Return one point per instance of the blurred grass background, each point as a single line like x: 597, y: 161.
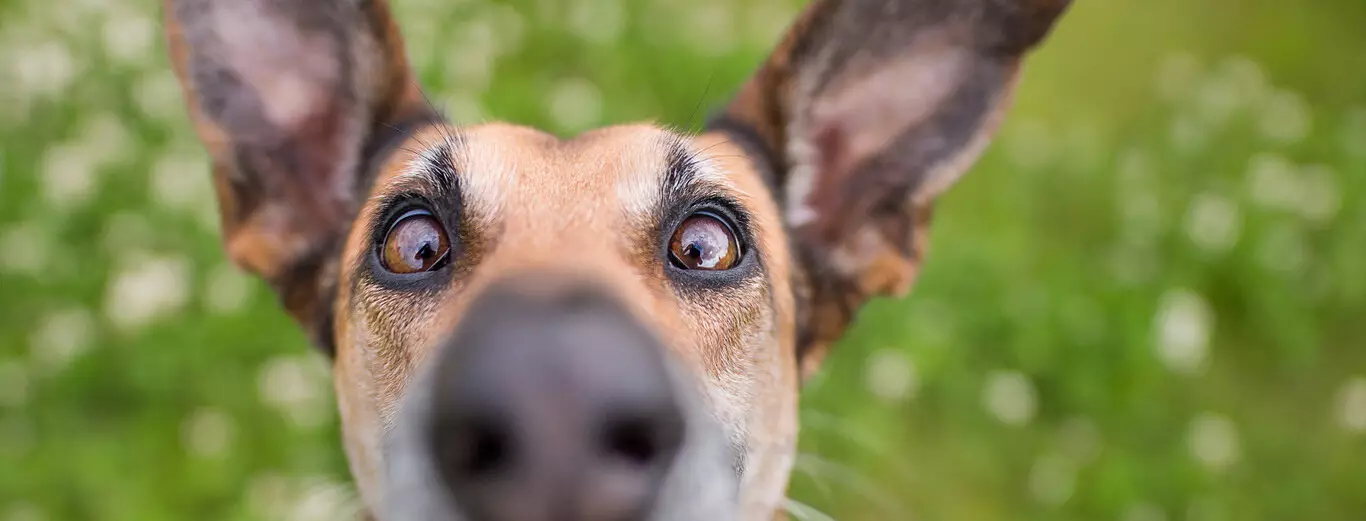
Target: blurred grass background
x: 1146, y: 303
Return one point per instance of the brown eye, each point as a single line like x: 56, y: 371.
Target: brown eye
x: 415, y: 243
x: 704, y: 242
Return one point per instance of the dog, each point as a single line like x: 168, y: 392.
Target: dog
x: 608, y: 327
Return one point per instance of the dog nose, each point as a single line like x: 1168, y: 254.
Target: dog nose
x: 554, y: 408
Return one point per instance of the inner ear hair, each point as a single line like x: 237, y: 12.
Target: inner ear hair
x: 866, y: 112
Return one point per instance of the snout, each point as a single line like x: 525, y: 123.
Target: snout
x: 556, y: 406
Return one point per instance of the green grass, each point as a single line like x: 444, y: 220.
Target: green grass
x: 1145, y: 303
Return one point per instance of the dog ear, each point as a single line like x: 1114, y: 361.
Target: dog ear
x: 865, y: 113
x: 293, y: 100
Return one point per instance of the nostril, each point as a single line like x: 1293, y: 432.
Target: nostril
x: 476, y: 448
x: 642, y: 440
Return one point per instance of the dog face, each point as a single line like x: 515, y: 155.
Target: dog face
x: 608, y: 327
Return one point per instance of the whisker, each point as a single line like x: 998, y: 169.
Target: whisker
x: 822, y: 421
x: 856, y: 482
x: 822, y: 482
x: 706, y: 90
x: 804, y: 512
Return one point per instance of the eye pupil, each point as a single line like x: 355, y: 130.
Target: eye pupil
x: 692, y: 252
x: 704, y: 242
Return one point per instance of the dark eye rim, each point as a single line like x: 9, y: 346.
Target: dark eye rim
x: 397, y: 211
x: 723, y: 209
x: 412, y: 214
x: 726, y: 222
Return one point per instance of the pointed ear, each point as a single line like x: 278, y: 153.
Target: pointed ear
x: 295, y: 101
x: 865, y: 113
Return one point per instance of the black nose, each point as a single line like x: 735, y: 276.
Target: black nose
x: 553, y: 408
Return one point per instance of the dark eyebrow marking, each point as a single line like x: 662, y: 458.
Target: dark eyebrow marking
x: 683, y: 177
x: 680, y: 165
x: 431, y: 172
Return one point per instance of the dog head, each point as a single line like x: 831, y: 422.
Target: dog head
x: 608, y: 327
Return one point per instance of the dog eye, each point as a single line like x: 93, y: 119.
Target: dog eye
x: 704, y: 242
x: 416, y: 242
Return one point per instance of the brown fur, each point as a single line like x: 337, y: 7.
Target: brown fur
x: 835, y: 151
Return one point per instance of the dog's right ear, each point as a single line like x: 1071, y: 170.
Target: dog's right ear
x: 294, y: 100
x: 865, y: 113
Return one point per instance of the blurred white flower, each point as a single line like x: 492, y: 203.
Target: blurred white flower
x: 1052, y: 479
x: 469, y: 66
x: 157, y: 95
x: 1283, y: 249
x: 766, y: 21
x: 181, y: 181
x: 1079, y: 439
x: 1010, y: 397
x: 575, y: 104
x: 60, y: 337
x: 508, y: 25
x: 1352, y: 405
x: 463, y: 108
x: 26, y: 249
x: 128, y: 35
x: 41, y: 68
x: 1177, y: 76
x: 1134, y: 168
x: 226, y: 289
x: 68, y: 176
x: 104, y: 139
x: 1286, y: 118
x: 297, y: 387
x: 1216, y: 100
x: 1319, y: 197
x: 1213, y: 441
x: 1247, y: 78
x: 1271, y: 182
x: 146, y: 288
x: 24, y: 512
x: 1182, y: 330
x: 1311, y: 191
x: 598, y: 22
x: 208, y: 432
x: 1144, y: 512
x: 1213, y: 222
x: 1205, y: 509
x: 1189, y: 133
x: 890, y: 375
x: 1134, y: 262
x: 1030, y: 144
x: 712, y: 26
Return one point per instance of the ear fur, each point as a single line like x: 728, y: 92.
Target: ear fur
x: 865, y: 113
x: 294, y: 100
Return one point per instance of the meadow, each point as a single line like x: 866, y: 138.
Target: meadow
x: 1146, y: 303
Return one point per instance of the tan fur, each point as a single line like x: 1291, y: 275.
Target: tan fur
x: 582, y: 196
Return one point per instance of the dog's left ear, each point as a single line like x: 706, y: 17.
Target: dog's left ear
x: 865, y: 113
x: 295, y: 101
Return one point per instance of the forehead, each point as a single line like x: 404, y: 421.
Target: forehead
x: 517, y: 177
